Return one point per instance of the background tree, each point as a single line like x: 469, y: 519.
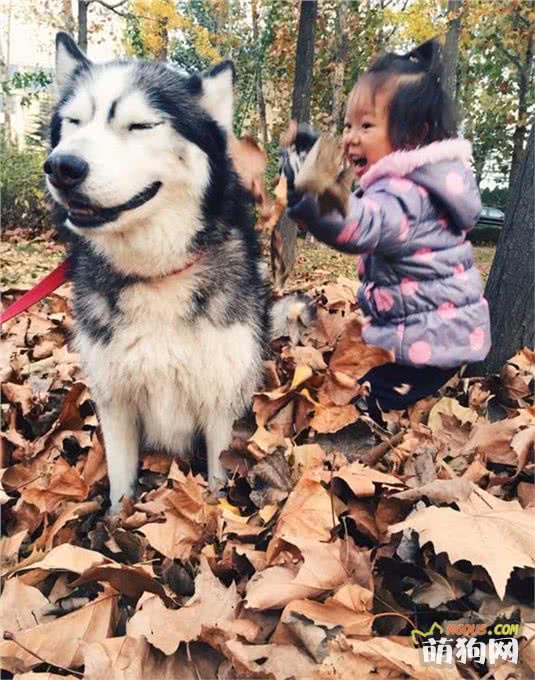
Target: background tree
x: 496, y: 81
x: 304, y: 61
x: 340, y: 57
x: 510, y: 287
x: 451, y: 47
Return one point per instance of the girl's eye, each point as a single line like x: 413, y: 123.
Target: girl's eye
x: 367, y: 126
x: 142, y: 126
x: 347, y: 126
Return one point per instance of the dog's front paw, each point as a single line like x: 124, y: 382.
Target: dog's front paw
x: 121, y: 502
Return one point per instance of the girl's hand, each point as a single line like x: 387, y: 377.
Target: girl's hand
x: 296, y: 147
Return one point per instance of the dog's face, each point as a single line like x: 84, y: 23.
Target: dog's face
x: 131, y: 139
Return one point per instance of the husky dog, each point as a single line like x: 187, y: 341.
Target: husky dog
x: 170, y: 298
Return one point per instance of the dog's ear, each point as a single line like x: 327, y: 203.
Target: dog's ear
x: 68, y: 58
x: 217, y: 94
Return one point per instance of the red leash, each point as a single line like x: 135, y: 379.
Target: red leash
x: 42, y: 289
x: 57, y: 277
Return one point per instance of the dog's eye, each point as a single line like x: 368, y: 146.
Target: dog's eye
x: 73, y: 121
x: 142, y: 126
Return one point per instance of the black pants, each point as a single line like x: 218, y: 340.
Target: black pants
x: 413, y: 383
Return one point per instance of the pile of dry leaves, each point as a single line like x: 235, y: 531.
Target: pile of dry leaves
x: 333, y: 540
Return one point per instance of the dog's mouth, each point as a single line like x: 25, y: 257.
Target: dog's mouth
x: 83, y: 214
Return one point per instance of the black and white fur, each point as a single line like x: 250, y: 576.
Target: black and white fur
x: 144, y: 186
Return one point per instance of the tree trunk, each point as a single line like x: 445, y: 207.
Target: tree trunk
x: 285, y: 231
x: 161, y: 55
x: 304, y: 61
x: 260, y: 101
x: 525, y: 71
x: 510, y: 288
x: 4, y: 75
x: 451, y: 48
x: 82, y: 24
x: 68, y: 17
x: 340, y: 56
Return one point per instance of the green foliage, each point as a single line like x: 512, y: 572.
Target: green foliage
x: 133, y: 37
x: 30, y: 85
x: 22, y: 186
x: 493, y: 50
x: 495, y: 198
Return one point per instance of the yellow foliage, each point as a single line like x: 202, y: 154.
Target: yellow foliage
x: 420, y: 21
x: 158, y: 18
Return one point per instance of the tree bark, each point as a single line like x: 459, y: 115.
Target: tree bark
x: 451, y: 48
x: 82, y: 24
x: 340, y: 56
x: 285, y: 231
x: 510, y: 288
x: 161, y: 55
x: 260, y: 101
x: 304, y: 61
x: 525, y: 72
x: 68, y: 17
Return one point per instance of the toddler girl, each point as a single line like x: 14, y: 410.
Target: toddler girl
x: 421, y: 295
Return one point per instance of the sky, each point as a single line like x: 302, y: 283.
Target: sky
x: 31, y: 42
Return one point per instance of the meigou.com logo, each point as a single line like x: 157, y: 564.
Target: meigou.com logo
x: 443, y: 645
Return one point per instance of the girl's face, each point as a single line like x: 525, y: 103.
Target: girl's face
x: 365, y: 136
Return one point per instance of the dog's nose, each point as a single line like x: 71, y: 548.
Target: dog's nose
x: 66, y: 171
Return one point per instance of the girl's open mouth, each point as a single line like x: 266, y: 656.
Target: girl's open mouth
x: 359, y: 164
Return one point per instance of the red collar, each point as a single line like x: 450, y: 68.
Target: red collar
x: 59, y: 276
x: 189, y: 263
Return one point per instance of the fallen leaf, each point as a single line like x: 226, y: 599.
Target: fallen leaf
x: 333, y: 418
x: 352, y: 358
x: 43, y: 676
x: 437, y: 592
x: 363, y: 514
x: 131, y: 581
x: 379, y: 657
x: 439, y: 491
x: 306, y: 515
x: 65, y: 483
x: 450, y: 407
x: 69, y: 513
x: 523, y: 444
x: 323, y: 569
x: 19, y: 394
x: 349, y: 610
x: 270, y: 480
x: 60, y: 641
x: 129, y: 658
x: 265, y: 442
x: 269, y: 217
x: 526, y: 494
x: 9, y: 548
x: 363, y: 480
x: 212, y: 606
x: 69, y: 558
x: 186, y: 518
x: 306, y: 456
x: 493, y: 440
x: 281, y: 662
x: 498, y: 541
x: 248, y: 158
x: 25, y: 605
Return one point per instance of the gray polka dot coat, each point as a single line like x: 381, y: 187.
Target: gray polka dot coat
x: 421, y: 293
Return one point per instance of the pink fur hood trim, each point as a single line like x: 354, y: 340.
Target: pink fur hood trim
x: 401, y: 163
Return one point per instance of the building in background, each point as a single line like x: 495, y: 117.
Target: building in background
x: 27, y: 45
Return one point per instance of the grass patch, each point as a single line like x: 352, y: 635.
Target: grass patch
x: 316, y: 263
x: 27, y: 260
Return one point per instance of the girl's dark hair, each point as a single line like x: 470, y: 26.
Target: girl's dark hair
x: 420, y: 111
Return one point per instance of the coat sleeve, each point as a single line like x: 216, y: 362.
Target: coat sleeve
x: 374, y: 223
